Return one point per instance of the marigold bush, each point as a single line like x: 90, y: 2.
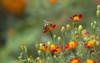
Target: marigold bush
x: 74, y: 45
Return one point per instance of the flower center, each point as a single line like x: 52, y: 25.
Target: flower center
x: 76, y: 18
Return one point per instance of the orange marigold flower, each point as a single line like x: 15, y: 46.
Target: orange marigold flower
x: 45, y: 48
x: 15, y: 7
x: 52, y: 1
x: 71, y: 45
x: 76, y: 17
x: 90, y: 44
x: 75, y: 60
x: 90, y: 61
x: 52, y: 47
x: 48, y: 26
x: 55, y: 49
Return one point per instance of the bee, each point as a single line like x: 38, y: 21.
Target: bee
x: 48, y: 26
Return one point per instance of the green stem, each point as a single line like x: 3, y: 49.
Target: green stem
x: 51, y: 35
x: 63, y: 37
x: 26, y: 57
x: 98, y: 23
x: 74, y: 53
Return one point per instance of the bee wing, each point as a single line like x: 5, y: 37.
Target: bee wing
x: 45, y: 21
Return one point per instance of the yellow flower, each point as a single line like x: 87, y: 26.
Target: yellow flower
x: 90, y: 61
x: 72, y: 44
x: 90, y: 43
x: 48, y: 26
x: 93, y: 37
x: 15, y: 7
x: 52, y: 47
x: 45, y: 48
x: 75, y: 60
x: 76, y: 17
x: 52, y: 1
x: 55, y: 49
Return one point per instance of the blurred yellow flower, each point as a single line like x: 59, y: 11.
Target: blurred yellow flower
x: 52, y: 1
x: 45, y: 48
x: 14, y: 6
x: 90, y: 61
x: 89, y: 44
x: 55, y: 49
x: 76, y: 17
x: 75, y: 60
x: 52, y: 47
x: 72, y: 44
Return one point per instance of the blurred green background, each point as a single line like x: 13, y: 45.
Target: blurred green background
x: 28, y: 26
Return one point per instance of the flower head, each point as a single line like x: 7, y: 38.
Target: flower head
x: 52, y: 1
x: 15, y: 7
x: 55, y: 49
x: 76, y: 17
x: 75, y: 60
x: 90, y: 44
x: 90, y: 61
x: 71, y: 45
x: 45, y: 48
x: 48, y: 26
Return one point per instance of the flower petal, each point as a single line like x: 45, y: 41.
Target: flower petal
x: 54, y: 25
x: 80, y: 16
x: 46, y: 30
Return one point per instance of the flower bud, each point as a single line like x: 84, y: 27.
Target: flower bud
x: 98, y: 13
x: 59, y: 39
x: 91, y: 24
x: 80, y: 28
x: 48, y: 43
x: 30, y: 59
x: 98, y: 7
x: 63, y: 30
x: 75, y: 32
x: 20, y: 61
x: 85, y: 39
x: 38, y: 58
x: 39, y: 52
x: 48, y: 58
x: 97, y: 43
x: 36, y: 44
x: 24, y: 48
x: 93, y: 37
x: 54, y: 36
x: 97, y: 37
x: 55, y: 56
x: 41, y: 45
x: 95, y: 22
x: 68, y: 27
